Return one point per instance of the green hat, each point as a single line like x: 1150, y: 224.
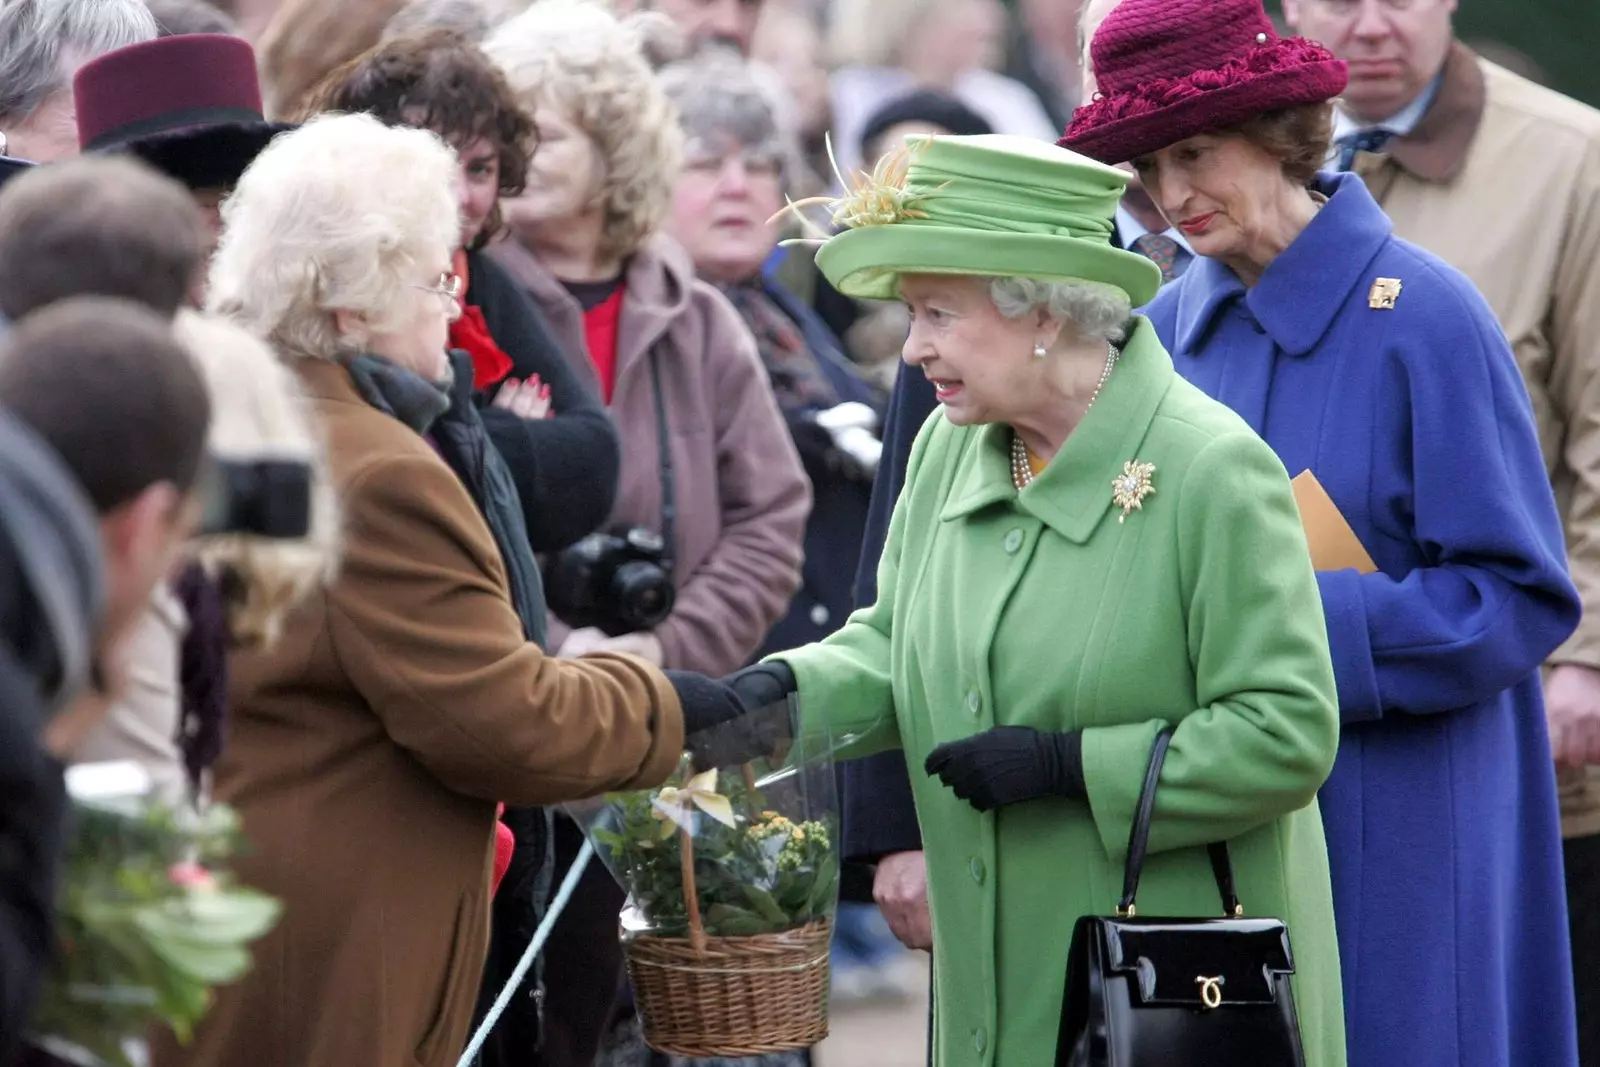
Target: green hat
x: 989, y: 205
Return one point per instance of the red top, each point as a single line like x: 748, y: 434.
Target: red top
x: 600, y: 331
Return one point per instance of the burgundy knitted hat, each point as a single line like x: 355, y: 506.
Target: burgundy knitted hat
x: 189, y: 104
x: 1172, y: 69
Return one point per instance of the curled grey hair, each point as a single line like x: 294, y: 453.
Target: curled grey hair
x: 720, y: 98
x: 41, y: 39
x: 1095, y: 312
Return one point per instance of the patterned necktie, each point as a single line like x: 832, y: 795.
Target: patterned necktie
x: 1161, y: 250
x: 1364, y: 141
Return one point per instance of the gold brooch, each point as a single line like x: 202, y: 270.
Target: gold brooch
x: 1129, y: 488
x: 1385, y: 291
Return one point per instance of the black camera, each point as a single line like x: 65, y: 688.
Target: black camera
x: 620, y: 582
x: 260, y: 498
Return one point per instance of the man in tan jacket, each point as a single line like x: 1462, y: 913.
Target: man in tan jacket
x: 1502, y: 178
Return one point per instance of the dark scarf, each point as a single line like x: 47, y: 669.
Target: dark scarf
x: 445, y: 413
x: 202, y: 671
x: 797, y: 380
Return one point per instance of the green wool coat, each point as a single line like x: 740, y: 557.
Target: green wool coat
x: 1038, y: 608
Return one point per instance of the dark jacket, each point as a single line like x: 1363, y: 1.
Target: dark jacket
x: 565, y: 467
x: 840, y: 494
x: 524, y: 892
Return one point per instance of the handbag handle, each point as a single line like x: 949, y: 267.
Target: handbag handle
x: 1139, y: 841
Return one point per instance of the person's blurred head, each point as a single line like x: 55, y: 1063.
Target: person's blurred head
x: 789, y: 41
x: 1394, y: 47
x: 938, y: 39
x: 920, y: 112
x: 469, y: 18
x: 737, y: 165
x: 731, y: 23
x: 178, y: 18
x: 42, y: 44
x: 444, y: 83
x: 97, y: 226
x: 108, y: 387
x: 609, y: 142
x: 258, y: 411
x: 339, y: 239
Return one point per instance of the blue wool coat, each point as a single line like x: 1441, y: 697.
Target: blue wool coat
x: 1441, y: 811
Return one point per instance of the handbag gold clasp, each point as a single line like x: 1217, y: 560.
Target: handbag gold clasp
x: 1210, y: 990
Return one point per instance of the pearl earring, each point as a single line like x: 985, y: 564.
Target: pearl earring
x: 1039, y: 351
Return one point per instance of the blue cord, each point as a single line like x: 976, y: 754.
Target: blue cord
x: 540, y: 936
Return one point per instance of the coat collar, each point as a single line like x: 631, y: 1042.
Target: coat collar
x: 324, y: 379
x: 1436, y: 148
x: 1073, y: 493
x: 1305, y: 288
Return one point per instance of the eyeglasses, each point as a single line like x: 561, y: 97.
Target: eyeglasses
x: 448, y: 287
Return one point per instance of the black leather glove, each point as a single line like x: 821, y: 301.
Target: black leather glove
x: 755, y: 696
x: 1010, y: 764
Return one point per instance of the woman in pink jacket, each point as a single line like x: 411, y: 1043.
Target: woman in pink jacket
x: 703, y: 552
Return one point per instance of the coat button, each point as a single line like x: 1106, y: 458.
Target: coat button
x: 977, y: 870
x: 980, y: 1040
x: 819, y: 615
x: 974, y: 701
x: 1013, y: 542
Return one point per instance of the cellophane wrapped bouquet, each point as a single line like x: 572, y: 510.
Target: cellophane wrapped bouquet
x: 732, y: 873
x: 150, y: 921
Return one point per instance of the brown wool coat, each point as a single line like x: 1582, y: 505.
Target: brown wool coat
x: 366, y: 752
x: 742, y: 495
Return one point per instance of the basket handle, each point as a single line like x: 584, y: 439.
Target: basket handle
x: 691, y: 893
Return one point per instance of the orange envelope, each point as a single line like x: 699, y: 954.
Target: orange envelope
x: 1334, y: 545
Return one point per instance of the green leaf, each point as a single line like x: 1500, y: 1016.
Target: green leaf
x: 822, y: 891
x: 725, y: 920
x: 764, y: 905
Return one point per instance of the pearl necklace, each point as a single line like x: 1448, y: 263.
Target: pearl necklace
x: 1021, y: 469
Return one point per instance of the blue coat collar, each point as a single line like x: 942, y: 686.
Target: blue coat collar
x: 1305, y: 288
x: 1073, y: 493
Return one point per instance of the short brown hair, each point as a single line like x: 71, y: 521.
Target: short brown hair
x: 106, y: 226
x: 442, y: 82
x: 1298, y: 137
x: 106, y: 384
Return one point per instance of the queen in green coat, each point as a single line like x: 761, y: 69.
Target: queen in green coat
x: 1087, y: 549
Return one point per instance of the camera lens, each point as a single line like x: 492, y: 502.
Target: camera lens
x: 643, y: 594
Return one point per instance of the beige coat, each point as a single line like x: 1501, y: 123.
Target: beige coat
x: 1502, y: 179
x: 366, y: 752
x: 742, y: 495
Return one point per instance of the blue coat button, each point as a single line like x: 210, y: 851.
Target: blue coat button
x: 974, y: 701
x: 977, y: 870
x: 980, y: 1040
x: 1013, y: 542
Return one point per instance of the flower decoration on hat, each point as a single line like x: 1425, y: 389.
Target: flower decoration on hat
x: 876, y: 199
x: 675, y: 806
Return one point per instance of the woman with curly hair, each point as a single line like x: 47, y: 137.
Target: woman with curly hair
x: 727, y: 501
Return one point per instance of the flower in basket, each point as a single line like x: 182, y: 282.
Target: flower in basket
x: 150, y: 923
x: 755, y: 869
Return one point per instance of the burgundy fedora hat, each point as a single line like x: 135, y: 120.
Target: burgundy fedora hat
x: 1172, y: 69
x: 188, y: 104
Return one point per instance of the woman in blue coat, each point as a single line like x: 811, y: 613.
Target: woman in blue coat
x: 1372, y: 364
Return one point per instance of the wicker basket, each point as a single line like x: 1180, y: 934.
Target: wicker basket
x: 739, y: 996
x: 703, y: 997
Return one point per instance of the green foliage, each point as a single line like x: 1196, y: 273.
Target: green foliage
x: 146, y: 929
x: 762, y: 875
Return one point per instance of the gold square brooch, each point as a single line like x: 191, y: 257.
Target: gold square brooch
x: 1385, y: 291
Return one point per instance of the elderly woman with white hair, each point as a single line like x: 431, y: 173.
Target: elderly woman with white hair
x: 368, y: 747
x: 721, y: 510
x: 1088, y: 553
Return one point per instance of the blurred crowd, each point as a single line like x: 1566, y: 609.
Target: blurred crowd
x: 395, y: 395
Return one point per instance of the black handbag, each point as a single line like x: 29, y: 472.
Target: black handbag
x: 1144, y: 992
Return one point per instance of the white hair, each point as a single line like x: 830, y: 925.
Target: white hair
x: 42, y: 40
x: 259, y: 412
x: 469, y: 18
x: 337, y: 215
x: 1095, y: 312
